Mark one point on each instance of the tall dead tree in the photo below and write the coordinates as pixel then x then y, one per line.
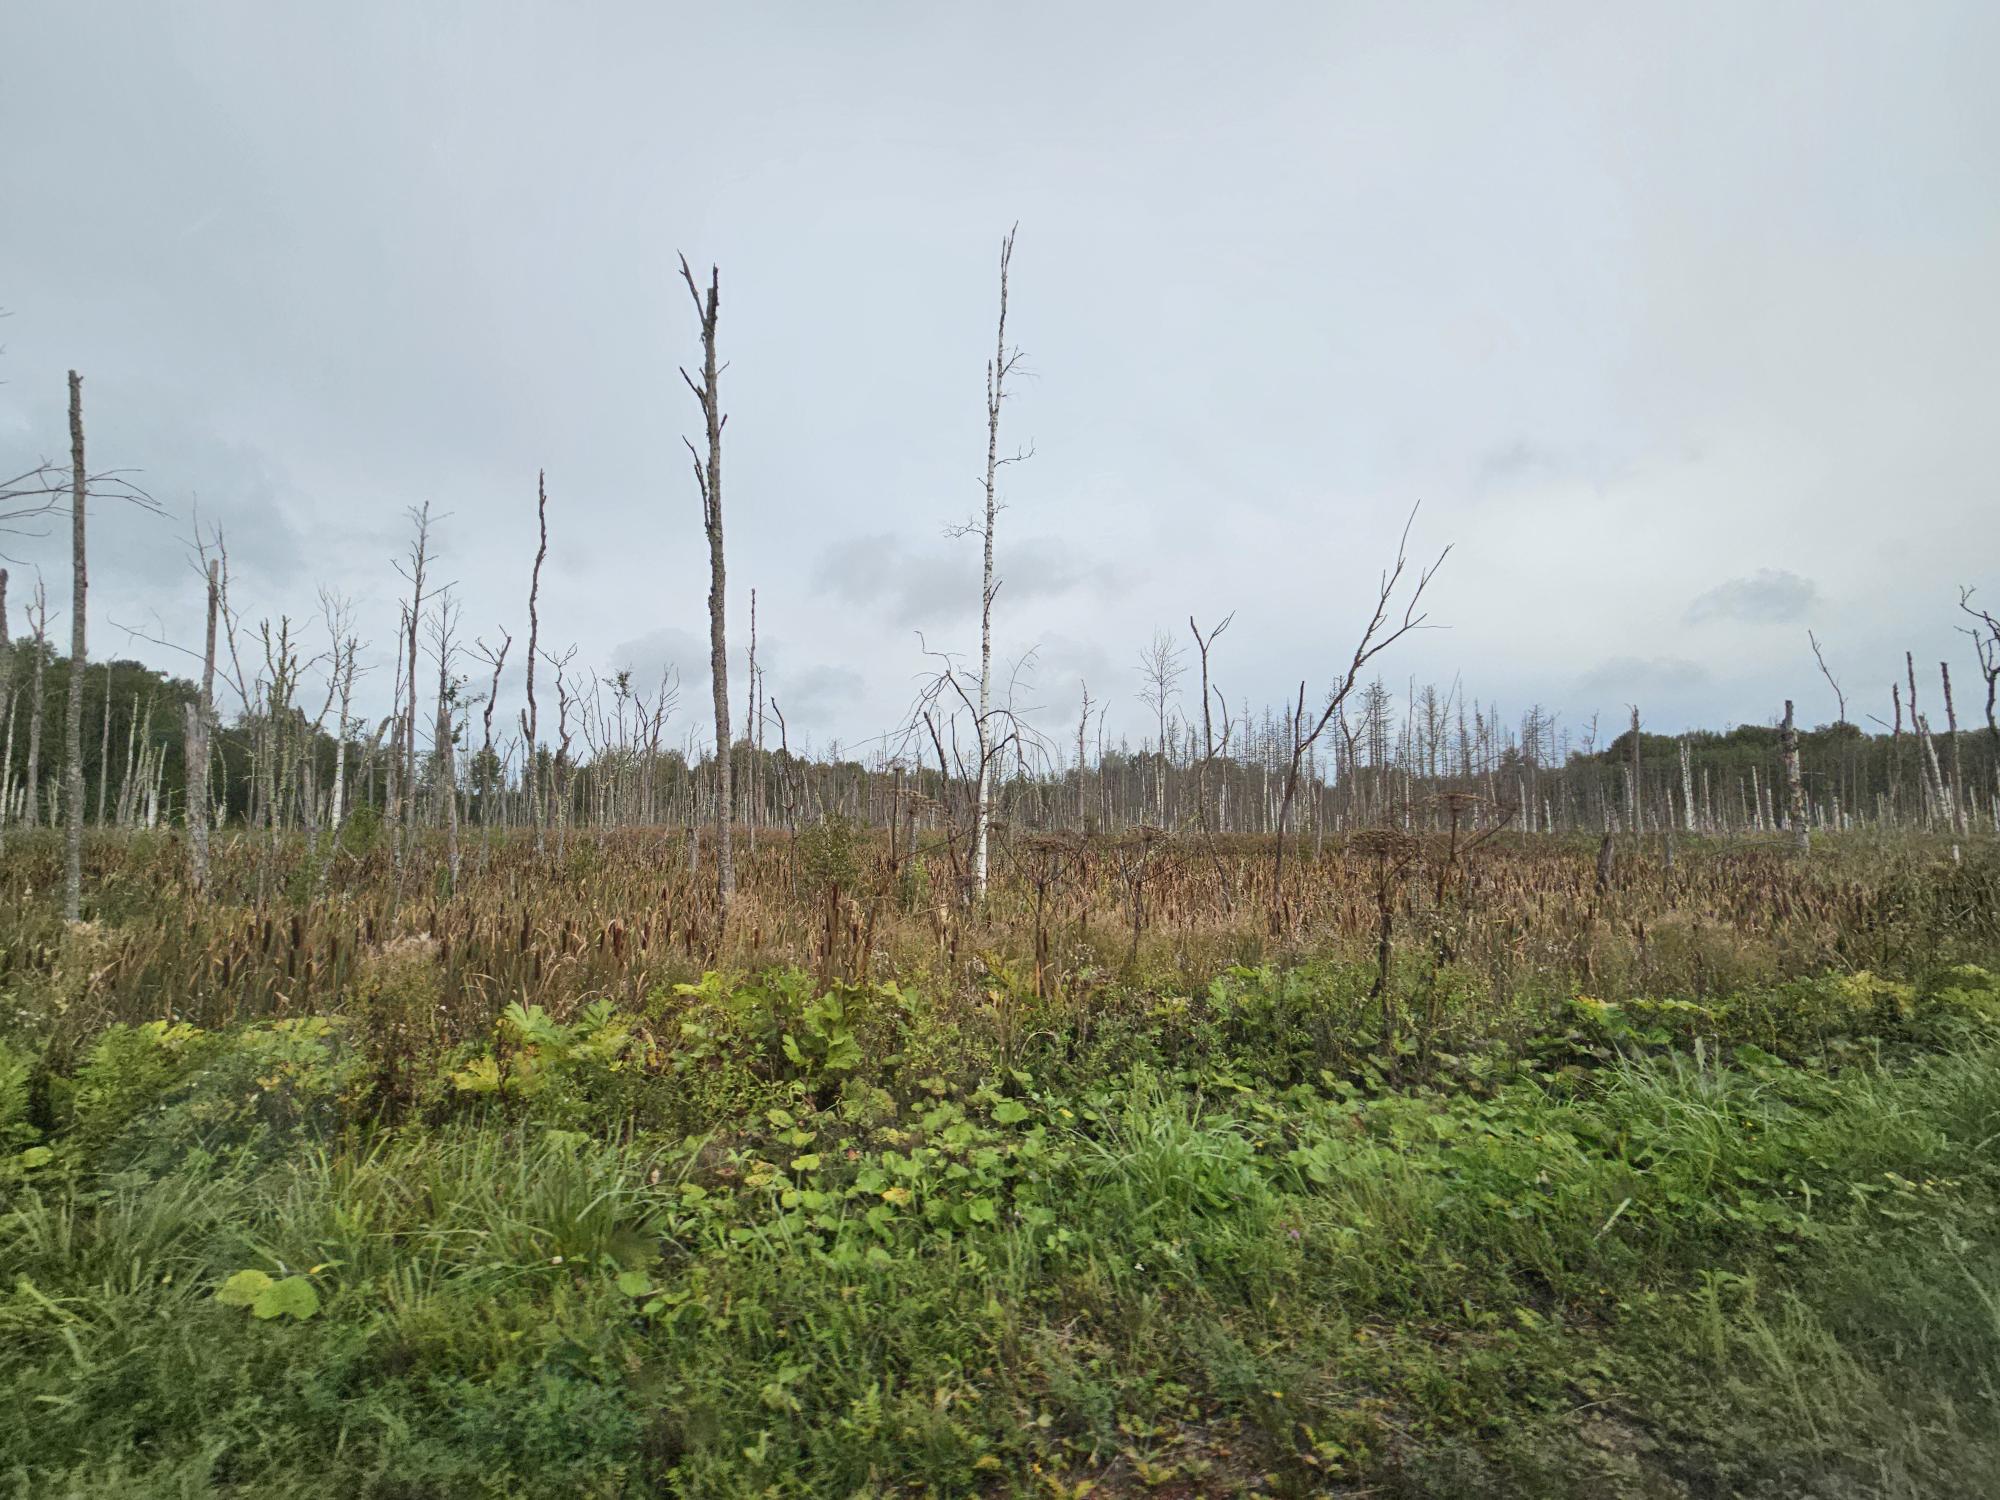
pixel 1839 697
pixel 530 724
pixel 489 772
pixel 1959 805
pixel 1635 812
pixel 709 479
pixel 37 705
pixel 753 791
pixel 1795 786
pixel 1160 676
pixel 444 736
pixel 1209 749
pixel 414 571
pixel 1985 635
pixel 73 724
pixel 104 749
pixel 1082 728
pixel 200 715
pixel 997 371
pixel 346 647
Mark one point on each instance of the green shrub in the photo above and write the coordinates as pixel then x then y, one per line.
pixel 128 1074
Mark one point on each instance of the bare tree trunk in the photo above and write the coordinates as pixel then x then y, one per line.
pixel 1082 725
pixel 996 380
pixel 78 656
pixel 710 482
pixel 531 772
pixel 195 745
pixel 445 734
pixel 37 708
pixel 750 719
pixel 104 752
pixel 1960 811
pixel 337 806
pixel 1795 787
pixel 1635 810
pixel 419 562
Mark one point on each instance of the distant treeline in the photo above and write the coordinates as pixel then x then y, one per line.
pixel 1418 763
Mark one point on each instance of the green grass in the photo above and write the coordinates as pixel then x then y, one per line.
pixel 765 1241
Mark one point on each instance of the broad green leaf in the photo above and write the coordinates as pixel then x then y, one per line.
pixel 293 1297
pixel 243 1289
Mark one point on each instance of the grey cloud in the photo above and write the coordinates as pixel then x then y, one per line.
pixel 1636 678
pixel 668 649
pixel 939 586
pixel 1771 596
pixel 818 695
pixel 1524 294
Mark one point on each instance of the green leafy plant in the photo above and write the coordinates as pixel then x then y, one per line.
pixel 286 1297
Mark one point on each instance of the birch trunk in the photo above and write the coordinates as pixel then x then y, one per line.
pixel 996 380
pixel 1795 816
pixel 78 656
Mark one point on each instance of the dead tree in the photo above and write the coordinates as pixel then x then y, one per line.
pixel 1082 727
pixel 754 791
pixel 73 724
pixel 444 735
pixel 346 647
pixel 709 480
pixel 530 724
pixel 1160 675
pixel 104 748
pixel 1304 731
pixel 1210 748
pixel 414 572
pixel 998 369
pixel 489 780
pixel 1839 697
pixel 1795 787
pixel 1960 810
pixel 1985 634
pixel 37 707
pixel 1635 812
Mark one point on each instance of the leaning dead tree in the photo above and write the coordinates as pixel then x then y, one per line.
pixel 1839 697
pixel 708 478
pixel 1304 730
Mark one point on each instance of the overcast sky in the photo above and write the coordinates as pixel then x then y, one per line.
pixel 1682 322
